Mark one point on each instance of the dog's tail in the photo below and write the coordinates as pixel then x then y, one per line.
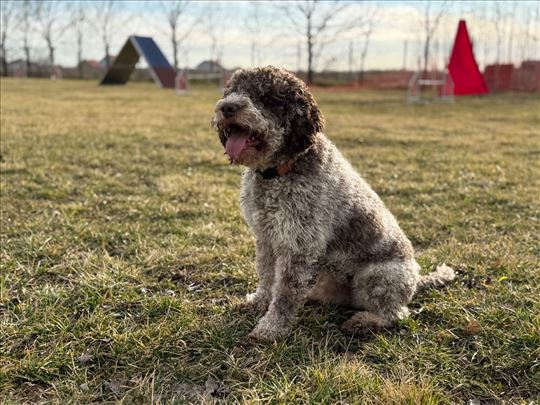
pixel 442 275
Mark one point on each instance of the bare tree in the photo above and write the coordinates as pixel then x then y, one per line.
pixel 259 18
pixel 536 36
pixel 319 23
pixel 174 10
pixel 415 48
pixel 511 33
pixel 525 36
pixel 405 45
pixel 79 20
pixel 371 19
pixel 431 22
pixel 50 25
pixel 350 57
pixel 27 9
pixel 298 56
pixel 253 24
pixel 106 21
pixel 498 19
pixel 9 21
pixel 214 17
pixel 485 42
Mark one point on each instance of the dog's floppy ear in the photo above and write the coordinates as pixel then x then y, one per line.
pixel 305 122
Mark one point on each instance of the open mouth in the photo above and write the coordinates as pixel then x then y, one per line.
pixel 239 138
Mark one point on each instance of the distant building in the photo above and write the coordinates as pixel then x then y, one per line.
pixel 103 62
pixel 86 69
pixel 18 68
pixel 95 70
pixel 16 64
pixel 209 66
pixel 90 64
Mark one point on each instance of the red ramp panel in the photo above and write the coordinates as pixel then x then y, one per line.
pixel 124 64
pixel 462 66
pixel 165 76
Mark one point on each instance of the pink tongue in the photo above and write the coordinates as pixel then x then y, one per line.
pixel 235 145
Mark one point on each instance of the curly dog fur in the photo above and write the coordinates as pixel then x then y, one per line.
pixel 321 232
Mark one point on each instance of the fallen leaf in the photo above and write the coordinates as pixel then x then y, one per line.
pixel 237 351
pixel 180 277
pixel 472 328
pixel 214 388
pixel 443 336
pixel 113 386
pixel 85 358
pixel 250 361
pixel 349 356
pixel 211 386
pixel 218 301
pixel 190 390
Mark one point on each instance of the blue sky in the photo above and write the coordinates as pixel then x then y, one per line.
pixel 398 22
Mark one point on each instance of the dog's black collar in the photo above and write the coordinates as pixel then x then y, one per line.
pixel 277 171
pixel 268 174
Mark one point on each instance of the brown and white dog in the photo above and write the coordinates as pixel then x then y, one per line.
pixel 322 233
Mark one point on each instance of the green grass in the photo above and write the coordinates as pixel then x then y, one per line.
pixel 121 239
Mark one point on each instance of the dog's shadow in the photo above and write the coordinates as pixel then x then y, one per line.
pixel 223 347
pixel 219 350
pixel 216 345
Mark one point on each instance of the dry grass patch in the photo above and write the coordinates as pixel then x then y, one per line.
pixel 123 254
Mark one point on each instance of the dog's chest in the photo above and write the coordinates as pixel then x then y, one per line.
pixel 277 208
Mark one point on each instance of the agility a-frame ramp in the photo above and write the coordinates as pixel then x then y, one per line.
pixel 123 66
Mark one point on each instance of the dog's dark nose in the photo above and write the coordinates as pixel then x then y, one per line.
pixel 229 109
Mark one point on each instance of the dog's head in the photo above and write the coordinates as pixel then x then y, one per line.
pixel 267 116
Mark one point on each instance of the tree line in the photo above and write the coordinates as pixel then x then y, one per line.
pixel 318 28
pixel 319 23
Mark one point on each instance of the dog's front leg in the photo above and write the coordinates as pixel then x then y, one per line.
pixel 291 284
pixel 266 263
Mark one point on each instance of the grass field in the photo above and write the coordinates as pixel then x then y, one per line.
pixel 124 256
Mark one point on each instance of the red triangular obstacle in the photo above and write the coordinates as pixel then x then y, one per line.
pixel 463 68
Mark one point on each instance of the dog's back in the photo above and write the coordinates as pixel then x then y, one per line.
pixel 324 191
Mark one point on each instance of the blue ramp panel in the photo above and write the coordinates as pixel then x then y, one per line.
pixel 151 52
pixel 124 64
pixel 162 71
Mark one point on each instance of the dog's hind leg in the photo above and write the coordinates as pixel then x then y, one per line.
pixel 329 290
pixel 383 291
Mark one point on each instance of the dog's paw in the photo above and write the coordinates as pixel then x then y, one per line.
pixel 255 302
pixel 265 333
pixel 364 322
